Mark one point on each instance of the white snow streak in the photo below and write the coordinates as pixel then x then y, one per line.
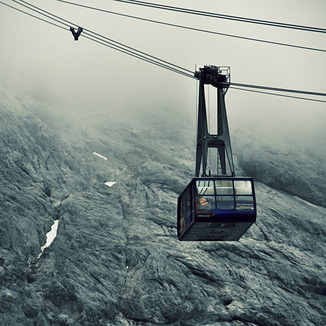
pixel 50 236
pixel 110 184
pixel 101 156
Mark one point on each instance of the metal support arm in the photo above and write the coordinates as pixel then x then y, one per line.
pixel 218 77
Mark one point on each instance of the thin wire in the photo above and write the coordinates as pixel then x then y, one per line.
pixel 279 89
pixel 120 49
pixel 39 10
pixel 275 94
pixel 132 51
pixel 139 56
pixel 222 16
pixel 24 12
pixel 107 44
pixel 195 29
pixel 143 53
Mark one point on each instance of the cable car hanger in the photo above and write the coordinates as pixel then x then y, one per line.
pixel 215 205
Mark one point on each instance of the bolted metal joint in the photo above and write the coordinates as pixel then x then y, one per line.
pixel 214 75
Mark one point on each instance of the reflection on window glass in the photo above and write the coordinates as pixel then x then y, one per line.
pixel 189 219
pixel 206 202
pixel 244 202
pixel 185 221
pixel 243 187
pixel 225 202
pixel 205 187
pixel 182 224
pixel 224 187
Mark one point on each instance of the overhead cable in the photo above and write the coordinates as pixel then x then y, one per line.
pixel 68 23
pixel 110 42
pixel 279 89
pixel 148 58
pixel 145 54
pixel 41 12
pixel 121 49
pixel 276 94
pixel 193 28
pixel 39 18
pixel 223 16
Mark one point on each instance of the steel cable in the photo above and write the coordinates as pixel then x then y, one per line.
pixel 223 16
pixel 196 29
pixel 111 43
pixel 151 59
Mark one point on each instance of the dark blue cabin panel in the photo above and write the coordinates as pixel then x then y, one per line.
pixel 216 209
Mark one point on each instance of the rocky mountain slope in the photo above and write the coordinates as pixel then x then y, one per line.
pixel 116 259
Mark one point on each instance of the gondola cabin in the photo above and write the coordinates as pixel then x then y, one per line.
pixel 216 209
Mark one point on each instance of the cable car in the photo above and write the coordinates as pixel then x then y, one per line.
pixel 216 206
pixel 216 209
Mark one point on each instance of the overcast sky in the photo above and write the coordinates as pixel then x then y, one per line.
pixel 39 58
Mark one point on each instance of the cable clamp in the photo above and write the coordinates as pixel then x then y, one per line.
pixel 76 34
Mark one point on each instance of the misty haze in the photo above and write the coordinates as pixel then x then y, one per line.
pixel 96 146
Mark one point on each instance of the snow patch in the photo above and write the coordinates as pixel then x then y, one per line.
pixel 110 184
pixel 101 156
pixel 50 236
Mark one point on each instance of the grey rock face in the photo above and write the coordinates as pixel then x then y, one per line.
pixel 293 168
pixel 116 259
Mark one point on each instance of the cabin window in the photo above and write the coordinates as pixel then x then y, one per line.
pixel 205 187
pixel 243 187
pixel 184 204
pixel 206 203
pixel 188 199
pixel 225 202
pixel 244 202
pixel 224 187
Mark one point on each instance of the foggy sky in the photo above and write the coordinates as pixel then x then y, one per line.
pixel 43 62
